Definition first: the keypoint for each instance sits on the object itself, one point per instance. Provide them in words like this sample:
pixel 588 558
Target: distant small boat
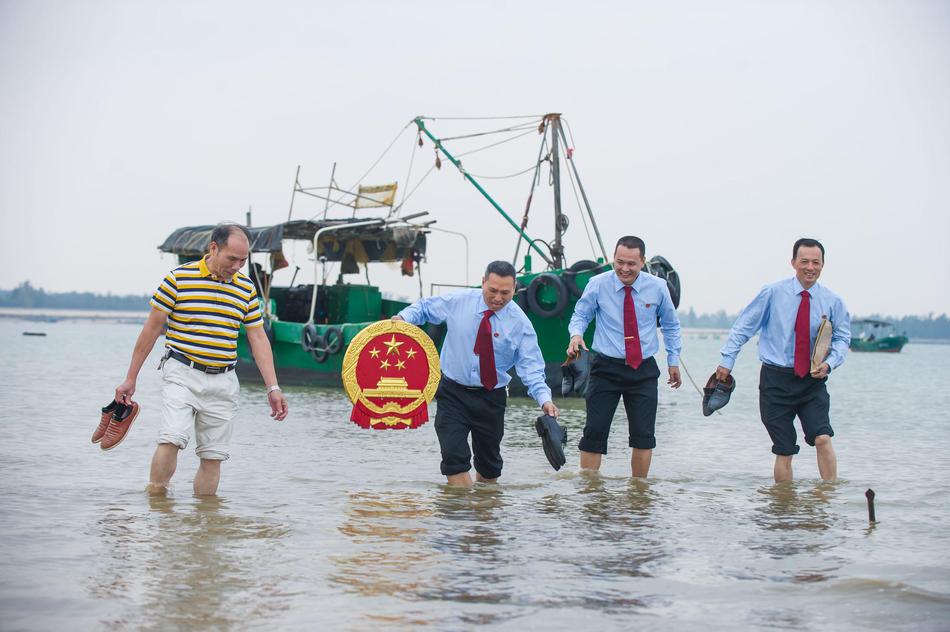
pixel 34 333
pixel 876 335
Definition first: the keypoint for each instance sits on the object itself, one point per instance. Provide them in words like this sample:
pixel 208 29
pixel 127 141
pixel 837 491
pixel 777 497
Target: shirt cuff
pixel 727 363
pixel 544 396
pixel 672 360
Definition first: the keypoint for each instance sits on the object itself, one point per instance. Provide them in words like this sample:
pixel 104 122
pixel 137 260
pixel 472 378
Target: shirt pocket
pixel 647 306
pixel 505 342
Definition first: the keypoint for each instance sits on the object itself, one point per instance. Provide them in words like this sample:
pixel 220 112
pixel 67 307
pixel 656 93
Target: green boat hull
pixel 887 344
pixel 295 365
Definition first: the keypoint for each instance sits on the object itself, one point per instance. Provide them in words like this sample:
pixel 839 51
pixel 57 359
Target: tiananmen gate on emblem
pixel 391 372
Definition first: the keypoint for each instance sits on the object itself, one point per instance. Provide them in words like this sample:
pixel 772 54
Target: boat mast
pixel 590 214
pixel 438 144
pixel 557 250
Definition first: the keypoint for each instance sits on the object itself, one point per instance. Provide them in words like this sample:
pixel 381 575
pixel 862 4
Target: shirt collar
pixel 637 283
pixel 206 271
pixel 482 305
pixel 797 287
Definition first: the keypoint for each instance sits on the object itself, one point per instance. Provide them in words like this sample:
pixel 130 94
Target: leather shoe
pixel 716 394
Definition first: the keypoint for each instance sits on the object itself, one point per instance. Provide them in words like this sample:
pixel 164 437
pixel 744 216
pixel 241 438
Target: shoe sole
pixel 132 417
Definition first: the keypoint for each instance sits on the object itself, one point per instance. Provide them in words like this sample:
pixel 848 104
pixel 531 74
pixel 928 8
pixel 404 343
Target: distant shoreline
pixel 53 315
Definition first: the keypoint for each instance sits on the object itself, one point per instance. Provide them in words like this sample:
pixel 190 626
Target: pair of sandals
pixel 114 424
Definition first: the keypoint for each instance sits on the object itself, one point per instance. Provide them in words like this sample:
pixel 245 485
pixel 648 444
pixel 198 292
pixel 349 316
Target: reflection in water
pixel 389 557
pixel 188 565
pixel 406 547
pixel 618 528
pixel 794 520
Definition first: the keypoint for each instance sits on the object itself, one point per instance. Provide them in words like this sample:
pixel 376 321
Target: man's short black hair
pixel 501 268
pixel 224 230
pixel 808 243
pixel 629 241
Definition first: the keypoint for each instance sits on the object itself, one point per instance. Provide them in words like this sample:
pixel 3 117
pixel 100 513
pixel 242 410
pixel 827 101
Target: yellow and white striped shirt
pixel 205 313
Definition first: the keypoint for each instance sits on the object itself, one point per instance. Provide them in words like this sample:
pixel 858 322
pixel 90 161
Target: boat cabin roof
pixel 871 322
pixel 366 243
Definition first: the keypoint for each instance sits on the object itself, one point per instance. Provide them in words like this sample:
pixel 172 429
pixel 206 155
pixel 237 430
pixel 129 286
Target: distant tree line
pixel 25 295
pixel 929 326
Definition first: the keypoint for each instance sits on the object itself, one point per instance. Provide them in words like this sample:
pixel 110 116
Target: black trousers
pixel 611 379
pixel 463 410
pixel 782 396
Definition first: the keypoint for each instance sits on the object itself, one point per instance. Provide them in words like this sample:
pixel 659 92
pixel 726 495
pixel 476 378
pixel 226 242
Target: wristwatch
pixel 271 389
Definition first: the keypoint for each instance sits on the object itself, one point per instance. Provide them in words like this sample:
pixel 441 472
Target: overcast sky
pixel 717 131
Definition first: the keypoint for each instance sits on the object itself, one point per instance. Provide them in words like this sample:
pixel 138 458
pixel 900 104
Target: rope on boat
pixel 381 156
pixel 412 157
pixel 514 128
pixel 512 175
pixel 480 118
pixel 501 142
pixel 693 382
pixel 580 211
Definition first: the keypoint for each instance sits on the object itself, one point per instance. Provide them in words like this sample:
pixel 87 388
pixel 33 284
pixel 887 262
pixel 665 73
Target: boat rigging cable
pixel 528 124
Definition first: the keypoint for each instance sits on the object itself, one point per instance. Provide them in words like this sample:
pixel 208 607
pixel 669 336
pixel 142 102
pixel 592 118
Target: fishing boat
pixel 868 334
pixel 310 325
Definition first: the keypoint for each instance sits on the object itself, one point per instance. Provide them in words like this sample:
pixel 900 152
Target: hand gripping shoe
pixel 553 439
pixel 716 394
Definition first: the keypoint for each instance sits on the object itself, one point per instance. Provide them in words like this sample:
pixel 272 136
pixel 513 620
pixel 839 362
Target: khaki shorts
pixel 194 399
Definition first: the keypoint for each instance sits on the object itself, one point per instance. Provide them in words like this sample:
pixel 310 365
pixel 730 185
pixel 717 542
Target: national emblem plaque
pixel 391 372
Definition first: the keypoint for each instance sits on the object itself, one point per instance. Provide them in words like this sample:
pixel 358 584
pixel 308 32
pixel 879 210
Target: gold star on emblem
pixel 392 345
pixel 385 364
pixel 410 353
pixel 401 364
pixel 374 352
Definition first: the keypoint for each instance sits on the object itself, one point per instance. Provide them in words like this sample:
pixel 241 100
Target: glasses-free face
pixel 627 263
pixel 227 260
pixel 497 290
pixel 808 263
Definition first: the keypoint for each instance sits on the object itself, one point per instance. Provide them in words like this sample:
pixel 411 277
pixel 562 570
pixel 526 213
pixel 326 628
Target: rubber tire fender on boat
pixel 660 267
pixel 319 349
pixel 570 275
pixel 547 278
pixel 520 300
pixel 308 337
pixel 333 337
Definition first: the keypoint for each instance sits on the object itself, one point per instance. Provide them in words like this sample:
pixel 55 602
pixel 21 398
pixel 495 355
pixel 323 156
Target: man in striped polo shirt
pixel 203 303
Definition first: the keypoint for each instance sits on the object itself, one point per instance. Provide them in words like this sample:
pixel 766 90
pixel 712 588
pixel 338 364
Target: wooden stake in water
pixel 870 496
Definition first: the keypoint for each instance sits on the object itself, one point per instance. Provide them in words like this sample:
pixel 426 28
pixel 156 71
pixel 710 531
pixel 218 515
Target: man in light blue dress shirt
pixel 626 302
pixel 473 392
pixel 788 314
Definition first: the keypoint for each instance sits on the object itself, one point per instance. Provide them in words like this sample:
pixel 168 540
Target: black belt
pixel 204 368
pixel 780 369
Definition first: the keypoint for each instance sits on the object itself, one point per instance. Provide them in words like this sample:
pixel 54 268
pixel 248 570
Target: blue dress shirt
pixel 513 338
pixel 603 299
pixel 774 312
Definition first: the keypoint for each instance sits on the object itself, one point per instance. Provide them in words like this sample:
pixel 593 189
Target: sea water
pixel 321 524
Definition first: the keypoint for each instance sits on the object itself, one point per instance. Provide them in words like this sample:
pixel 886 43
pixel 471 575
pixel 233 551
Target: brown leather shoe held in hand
pixel 104 421
pixel 119 425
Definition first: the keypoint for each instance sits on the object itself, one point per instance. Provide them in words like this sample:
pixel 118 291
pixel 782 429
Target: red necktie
pixel 803 336
pixel 631 331
pixel 485 351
